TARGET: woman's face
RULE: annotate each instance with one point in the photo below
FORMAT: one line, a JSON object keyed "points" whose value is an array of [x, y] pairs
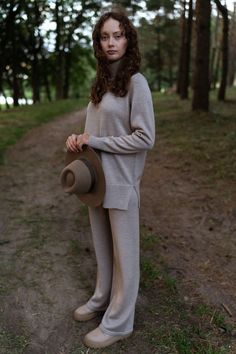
{"points": [[113, 40]]}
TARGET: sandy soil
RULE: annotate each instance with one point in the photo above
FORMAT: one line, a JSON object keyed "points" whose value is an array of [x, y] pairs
{"points": [[40, 228]]}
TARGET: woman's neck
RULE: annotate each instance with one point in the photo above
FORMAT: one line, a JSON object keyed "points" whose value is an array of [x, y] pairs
{"points": [[114, 66]]}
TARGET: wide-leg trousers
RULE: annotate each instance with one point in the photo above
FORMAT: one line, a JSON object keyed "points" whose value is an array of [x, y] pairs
{"points": [[115, 236]]}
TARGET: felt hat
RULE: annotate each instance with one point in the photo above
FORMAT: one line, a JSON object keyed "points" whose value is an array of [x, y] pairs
{"points": [[84, 177]]}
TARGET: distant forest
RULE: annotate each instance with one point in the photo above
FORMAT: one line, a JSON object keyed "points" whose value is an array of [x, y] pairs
{"points": [[46, 51]]}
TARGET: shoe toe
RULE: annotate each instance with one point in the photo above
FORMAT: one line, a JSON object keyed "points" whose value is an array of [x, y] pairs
{"points": [[97, 339], [83, 313]]}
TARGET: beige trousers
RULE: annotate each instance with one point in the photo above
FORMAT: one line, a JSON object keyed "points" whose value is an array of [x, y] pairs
{"points": [[116, 241]]}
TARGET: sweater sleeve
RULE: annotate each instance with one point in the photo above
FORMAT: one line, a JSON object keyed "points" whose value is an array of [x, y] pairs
{"points": [[142, 123]]}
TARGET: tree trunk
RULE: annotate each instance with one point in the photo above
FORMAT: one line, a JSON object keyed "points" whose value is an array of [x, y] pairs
{"points": [[36, 74], [201, 66], [7, 35], [35, 79], [158, 61], [170, 70], [15, 86], [34, 43], [186, 54], [223, 83], [181, 51], [59, 54], [66, 86], [214, 52], [217, 69], [45, 80], [232, 49]]}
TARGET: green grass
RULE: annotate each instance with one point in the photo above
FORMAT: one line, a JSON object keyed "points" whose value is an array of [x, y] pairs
{"points": [[12, 344], [14, 123], [149, 274], [169, 324]]}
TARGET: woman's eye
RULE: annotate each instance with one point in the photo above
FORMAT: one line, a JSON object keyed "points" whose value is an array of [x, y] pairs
{"points": [[104, 38]]}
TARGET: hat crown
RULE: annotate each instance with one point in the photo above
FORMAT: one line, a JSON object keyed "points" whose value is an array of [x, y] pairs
{"points": [[70, 179], [77, 177], [84, 176]]}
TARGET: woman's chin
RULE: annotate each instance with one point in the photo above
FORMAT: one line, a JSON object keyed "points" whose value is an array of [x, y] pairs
{"points": [[113, 57]]}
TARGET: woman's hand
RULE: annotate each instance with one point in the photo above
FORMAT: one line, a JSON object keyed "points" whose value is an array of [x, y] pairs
{"points": [[75, 142]]}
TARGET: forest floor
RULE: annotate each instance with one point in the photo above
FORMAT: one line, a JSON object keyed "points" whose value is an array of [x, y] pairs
{"points": [[187, 300]]}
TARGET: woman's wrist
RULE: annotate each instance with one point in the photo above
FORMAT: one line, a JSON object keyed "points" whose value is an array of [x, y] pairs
{"points": [[86, 138]]}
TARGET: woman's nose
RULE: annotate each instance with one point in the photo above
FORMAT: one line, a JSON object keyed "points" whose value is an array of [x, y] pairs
{"points": [[110, 41]]}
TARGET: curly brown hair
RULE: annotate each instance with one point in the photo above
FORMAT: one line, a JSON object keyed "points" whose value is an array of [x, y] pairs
{"points": [[129, 66]]}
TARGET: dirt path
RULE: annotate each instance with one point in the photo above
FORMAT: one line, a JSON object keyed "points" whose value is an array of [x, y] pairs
{"points": [[43, 232], [196, 222], [40, 224]]}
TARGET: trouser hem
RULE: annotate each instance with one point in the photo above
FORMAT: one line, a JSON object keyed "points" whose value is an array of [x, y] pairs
{"points": [[96, 309], [111, 333]]}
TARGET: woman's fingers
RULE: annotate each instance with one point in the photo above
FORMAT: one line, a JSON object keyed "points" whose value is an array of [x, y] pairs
{"points": [[82, 139], [75, 142], [71, 143], [80, 145]]}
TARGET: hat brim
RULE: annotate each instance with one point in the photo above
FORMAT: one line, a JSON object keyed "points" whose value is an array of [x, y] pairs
{"points": [[95, 196]]}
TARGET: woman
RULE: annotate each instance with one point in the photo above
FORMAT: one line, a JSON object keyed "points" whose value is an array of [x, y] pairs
{"points": [[120, 126]]}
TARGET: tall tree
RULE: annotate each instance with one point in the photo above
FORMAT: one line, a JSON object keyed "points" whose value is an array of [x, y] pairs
{"points": [[38, 58], [185, 50], [70, 16], [224, 12], [215, 51], [33, 41], [182, 40], [9, 44], [201, 65], [232, 49], [59, 15], [163, 52]]}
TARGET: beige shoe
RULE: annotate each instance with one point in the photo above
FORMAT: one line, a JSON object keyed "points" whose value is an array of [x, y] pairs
{"points": [[83, 313], [97, 339]]}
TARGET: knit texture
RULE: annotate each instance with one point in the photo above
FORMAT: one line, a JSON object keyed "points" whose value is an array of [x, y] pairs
{"points": [[122, 129]]}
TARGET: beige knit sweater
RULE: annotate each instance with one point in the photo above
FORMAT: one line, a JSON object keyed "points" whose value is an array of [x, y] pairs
{"points": [[122, 129]]}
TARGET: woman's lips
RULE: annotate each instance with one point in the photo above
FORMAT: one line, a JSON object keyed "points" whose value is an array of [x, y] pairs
{"points": [[111, 51]]}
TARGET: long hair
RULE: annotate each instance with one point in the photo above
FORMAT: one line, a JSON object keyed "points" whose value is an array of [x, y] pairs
{"points": [[129, 66]]}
